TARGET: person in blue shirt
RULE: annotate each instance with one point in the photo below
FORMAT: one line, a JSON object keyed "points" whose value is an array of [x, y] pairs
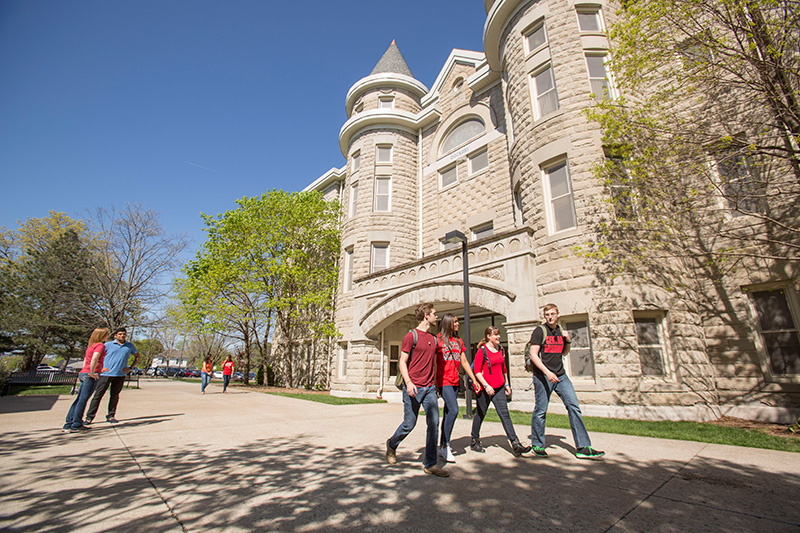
{"points": [[116, 368]]}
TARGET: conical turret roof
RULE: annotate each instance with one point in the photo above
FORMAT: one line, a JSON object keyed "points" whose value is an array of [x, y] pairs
{"points": [[392, 61]]}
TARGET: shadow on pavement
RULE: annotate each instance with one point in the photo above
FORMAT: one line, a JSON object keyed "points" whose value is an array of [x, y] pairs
{"points": [[22, 404], [282, 484]]}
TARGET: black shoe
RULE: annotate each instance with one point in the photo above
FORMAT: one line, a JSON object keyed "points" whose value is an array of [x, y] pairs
{"points": [[112, 420], [518, 449], [476, 446]]}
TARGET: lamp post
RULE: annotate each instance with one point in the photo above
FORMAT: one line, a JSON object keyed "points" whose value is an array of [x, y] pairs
{"points": [[451, 238]]}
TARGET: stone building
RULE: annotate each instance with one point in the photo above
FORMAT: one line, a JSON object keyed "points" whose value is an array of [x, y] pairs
{"points": [[498, 149]]}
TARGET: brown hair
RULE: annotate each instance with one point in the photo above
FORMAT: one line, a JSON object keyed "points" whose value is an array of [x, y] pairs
{"points": [[448, 326], [98, 335], [548, 307], [488, 331], [422, 310]]}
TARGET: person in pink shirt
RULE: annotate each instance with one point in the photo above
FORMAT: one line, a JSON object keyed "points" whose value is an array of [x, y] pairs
{"points": [[227, 372], [490, 369], [88, 376]]}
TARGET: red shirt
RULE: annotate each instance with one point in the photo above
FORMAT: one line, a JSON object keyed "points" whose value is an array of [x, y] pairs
{"points": [[421, 363], [497, 363], [448, 360], [227, 368], [87, 359]]}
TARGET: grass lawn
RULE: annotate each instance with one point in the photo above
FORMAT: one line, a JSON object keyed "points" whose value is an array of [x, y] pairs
{"points": [[680, 430], [37, 390], [325, 398]]}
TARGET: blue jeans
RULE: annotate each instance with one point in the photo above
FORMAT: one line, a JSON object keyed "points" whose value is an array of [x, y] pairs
{"points": [[226, 378], [426, 397], [450, 397], [205, 379], [501, 406], [75, 415], [542, 389]]}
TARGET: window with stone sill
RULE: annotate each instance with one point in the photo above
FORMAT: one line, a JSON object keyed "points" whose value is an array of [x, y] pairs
{"points": [[479, 161], [379, 257], [545, 96], [394, 360], [356, 161], [651, 342], [348, 270], [779, 328], [343, 359], [599, 79], [590, 18], [579, 360], [383, 194], [535, 38], [623, 194], [738, 183], [353, 200], [383, 153], [448, 177], [560, 201], [386, 102], [482, 231]]}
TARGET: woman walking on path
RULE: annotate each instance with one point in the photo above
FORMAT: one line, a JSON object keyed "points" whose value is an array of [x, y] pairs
{"points": [[490, 369], [451, 355], [227, 371], [205, 373], [88, 376]]}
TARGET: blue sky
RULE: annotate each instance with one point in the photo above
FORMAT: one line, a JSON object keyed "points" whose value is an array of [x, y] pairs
{"points": [[185, 106]]}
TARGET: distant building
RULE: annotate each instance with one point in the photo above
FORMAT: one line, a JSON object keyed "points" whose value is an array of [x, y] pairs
{"points": [[498, 149]]}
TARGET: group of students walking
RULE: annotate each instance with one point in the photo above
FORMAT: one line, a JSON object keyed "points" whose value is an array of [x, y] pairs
{"points": [[431, 364]]}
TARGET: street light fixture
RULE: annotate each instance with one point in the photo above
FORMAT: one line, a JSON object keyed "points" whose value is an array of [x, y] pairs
{"points": [[453, 237]]}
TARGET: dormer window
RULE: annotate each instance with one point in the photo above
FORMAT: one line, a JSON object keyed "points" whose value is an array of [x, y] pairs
{"points": [[386, 102]]}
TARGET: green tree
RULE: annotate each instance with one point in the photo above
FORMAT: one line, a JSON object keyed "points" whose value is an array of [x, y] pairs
{"points": [[148, 348], [46, 307], [271, 260]]}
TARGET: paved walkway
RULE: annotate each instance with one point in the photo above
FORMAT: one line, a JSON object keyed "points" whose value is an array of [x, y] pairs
{"points": [[244, 461]]}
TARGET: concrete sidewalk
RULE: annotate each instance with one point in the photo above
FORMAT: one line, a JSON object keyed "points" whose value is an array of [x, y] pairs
{"points": [[244, 461]]}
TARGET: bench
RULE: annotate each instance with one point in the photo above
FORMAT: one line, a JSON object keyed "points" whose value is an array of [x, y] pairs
{"points": [[42, 377], [130, 378]]}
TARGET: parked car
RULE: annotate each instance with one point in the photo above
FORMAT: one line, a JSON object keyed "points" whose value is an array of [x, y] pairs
{"points": [[174, 371], [136, 371], [217, 374], [191, 373], [46, 368], [238, 376]]}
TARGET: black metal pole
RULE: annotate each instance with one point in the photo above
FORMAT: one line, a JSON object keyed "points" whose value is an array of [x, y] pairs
{"points": [[467, 343]]}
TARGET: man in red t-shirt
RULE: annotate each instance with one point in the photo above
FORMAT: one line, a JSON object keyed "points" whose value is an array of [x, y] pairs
{"points": [[418, 367]]}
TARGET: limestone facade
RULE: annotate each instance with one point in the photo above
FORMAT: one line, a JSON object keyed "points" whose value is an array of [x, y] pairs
{"points": [[498, 149]]}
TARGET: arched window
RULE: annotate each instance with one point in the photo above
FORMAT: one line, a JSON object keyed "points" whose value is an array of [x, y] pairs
{"points": [[467, 130]]}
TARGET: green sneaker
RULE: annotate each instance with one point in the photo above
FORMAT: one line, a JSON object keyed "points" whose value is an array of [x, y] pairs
{"points": [[538, 451], [589, 453]]}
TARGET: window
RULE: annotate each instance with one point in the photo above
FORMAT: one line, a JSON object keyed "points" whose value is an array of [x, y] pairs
{"points": [[623, 195], [383, 189], [348, 270], [777, 322], [448, 177], [479, 161], [518, 214], [559, 192], [394, 359], [356, 162], [602, 89], [358, 108], [458, 85], [384, 154], [737, 182], [590, 19], [353, 200], [580, 358], [536, 38], [466, 131], [380, 256], [482, 231], [343, 360], [544, 93], [650, 338], [386, 102]]}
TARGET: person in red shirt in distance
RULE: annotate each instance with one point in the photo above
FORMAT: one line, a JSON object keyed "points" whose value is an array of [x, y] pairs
{"points": [[451, 355], [490, 369], [227, 372]]}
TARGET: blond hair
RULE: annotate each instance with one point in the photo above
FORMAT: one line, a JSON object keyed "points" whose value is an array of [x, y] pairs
{"points": [[99, 335]]}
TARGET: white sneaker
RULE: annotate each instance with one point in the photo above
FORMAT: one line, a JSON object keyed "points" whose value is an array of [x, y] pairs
{"points": [[447, 454]]}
